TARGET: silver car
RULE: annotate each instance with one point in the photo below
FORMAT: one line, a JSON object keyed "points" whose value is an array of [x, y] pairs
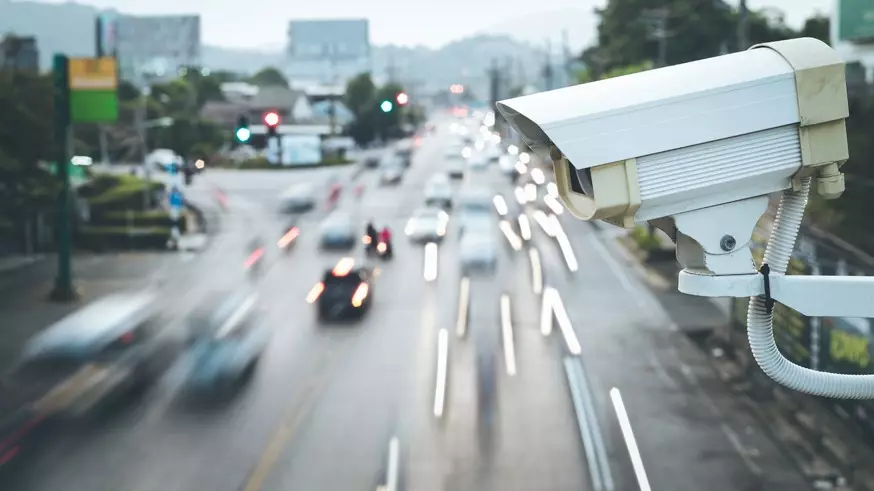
{"points": [[479, 254], [338, 231], [427, 225], [438, 191], [298, 198]]}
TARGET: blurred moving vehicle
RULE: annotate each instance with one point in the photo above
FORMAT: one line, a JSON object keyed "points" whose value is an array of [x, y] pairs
{"points": [[289, 237], [226, 339], [110, 349], [427, 225], [477, 161], [372, 161], [254, 256], [404, 151], [479, 254], [492, 152], [508, 168], [438, 191], [391, 173], [475, 210], [298, 198], [105, 350], [455, 167], [344, 292], [337, 231]]}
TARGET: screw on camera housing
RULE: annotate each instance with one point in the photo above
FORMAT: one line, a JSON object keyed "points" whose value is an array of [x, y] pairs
{"points": [[727, 243]]}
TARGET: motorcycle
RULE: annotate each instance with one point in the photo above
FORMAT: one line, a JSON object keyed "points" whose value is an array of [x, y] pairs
{"points": [[384, 250], [380, 249]]}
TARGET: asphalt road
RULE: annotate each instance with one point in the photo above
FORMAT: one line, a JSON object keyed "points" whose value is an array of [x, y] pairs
{"points": [[394, 398]]}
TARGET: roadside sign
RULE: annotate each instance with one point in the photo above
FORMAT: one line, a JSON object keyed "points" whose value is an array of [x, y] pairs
{"points": [[93, 83], [76, 172], [176, 199]]}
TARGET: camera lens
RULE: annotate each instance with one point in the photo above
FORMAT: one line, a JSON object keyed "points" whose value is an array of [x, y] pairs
{"points": [[580, 180]]}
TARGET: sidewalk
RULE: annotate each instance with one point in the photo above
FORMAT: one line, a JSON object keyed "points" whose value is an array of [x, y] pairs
{"points": [[826, 450]]}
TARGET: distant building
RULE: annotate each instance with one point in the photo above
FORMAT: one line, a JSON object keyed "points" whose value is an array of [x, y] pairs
{"points": [[327, 52], [19, 53], [242, 99], [152, 48]]}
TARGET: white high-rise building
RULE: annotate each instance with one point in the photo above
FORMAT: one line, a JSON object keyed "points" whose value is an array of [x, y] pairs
{"points": [[156, 47]]}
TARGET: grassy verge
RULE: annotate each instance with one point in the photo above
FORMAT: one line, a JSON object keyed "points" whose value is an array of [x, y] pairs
{"points": [[262, 164], [106, 238]]}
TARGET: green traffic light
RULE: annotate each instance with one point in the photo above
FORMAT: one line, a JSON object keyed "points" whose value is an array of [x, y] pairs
{"points": [[243, 134], [386, 106]]}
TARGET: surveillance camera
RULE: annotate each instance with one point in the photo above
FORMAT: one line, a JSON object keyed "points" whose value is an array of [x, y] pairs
{"points": [[669, 141], [701, 146]]}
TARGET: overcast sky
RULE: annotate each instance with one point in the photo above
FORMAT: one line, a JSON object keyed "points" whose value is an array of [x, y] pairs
{"points": [[258, 23]]}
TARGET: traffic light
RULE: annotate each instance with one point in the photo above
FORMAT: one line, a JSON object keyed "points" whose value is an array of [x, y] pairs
{"points": [[403, 99], [243, 133], [386, 106], [271, 120]]}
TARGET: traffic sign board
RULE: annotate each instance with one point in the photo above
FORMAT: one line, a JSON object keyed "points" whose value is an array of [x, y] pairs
{"points": [[93, 74], [92, 83]]}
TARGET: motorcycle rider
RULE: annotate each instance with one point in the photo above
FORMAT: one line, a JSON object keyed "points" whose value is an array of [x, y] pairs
{"points": [[372, 234], [385, 237]]}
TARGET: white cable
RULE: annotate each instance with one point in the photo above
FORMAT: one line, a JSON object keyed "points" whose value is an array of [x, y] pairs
{"points": [[760, 327]]}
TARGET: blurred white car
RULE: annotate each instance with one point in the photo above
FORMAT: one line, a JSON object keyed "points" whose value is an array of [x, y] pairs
{"points": [[479, 254], [475, 210], [427, 225]]}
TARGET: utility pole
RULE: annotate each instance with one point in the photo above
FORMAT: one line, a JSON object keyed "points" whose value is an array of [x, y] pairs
{"points": [[140, 123], [658, 20], [548, 75], [332, 109], [566, 58], [391, 69], [743, 26], [494, 89], [63, 290]]}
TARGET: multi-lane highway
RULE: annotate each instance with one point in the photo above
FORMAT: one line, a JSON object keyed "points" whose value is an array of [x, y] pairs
{"points": [[599, 394]]}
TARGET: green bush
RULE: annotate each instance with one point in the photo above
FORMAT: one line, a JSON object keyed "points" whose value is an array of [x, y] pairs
{"points": [[98, 184], [126, 194], [151, 218], [644, 239], [120, 238]]}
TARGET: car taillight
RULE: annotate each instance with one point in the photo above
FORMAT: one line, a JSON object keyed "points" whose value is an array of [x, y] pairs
{"points": [[360, 294], [315, 292], [253, 258], [289, 237]]}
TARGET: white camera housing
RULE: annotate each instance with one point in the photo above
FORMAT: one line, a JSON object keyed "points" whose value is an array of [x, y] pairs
{"points": [[669, 141]]}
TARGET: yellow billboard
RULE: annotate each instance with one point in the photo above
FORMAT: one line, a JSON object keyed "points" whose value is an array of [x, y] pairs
{"points": [[93, 73]]}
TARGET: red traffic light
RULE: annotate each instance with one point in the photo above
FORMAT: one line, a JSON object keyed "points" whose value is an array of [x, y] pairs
{"points": [[271, 119], [403, 98]]}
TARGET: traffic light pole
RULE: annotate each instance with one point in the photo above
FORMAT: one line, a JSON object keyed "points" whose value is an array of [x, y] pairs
{"points": [[63, 290]]}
